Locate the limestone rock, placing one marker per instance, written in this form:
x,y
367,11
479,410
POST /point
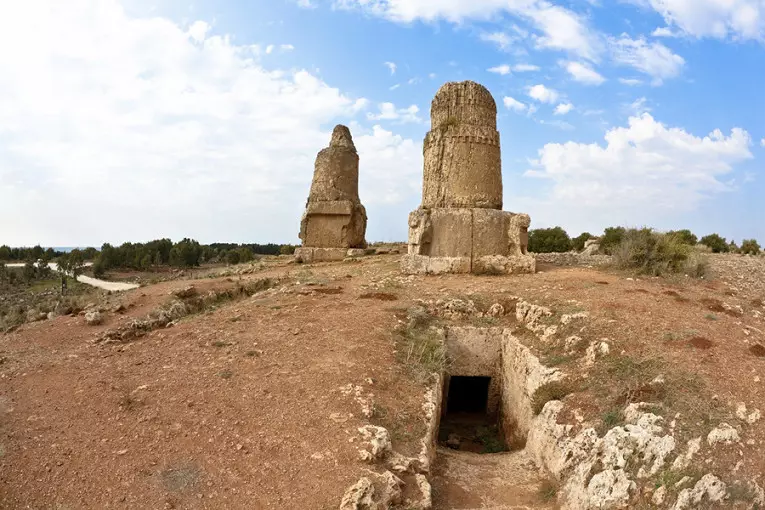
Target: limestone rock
x,y
378,441
609,489
724,433
376,492
744,415
531,316
591,247
659,496
93,318
684,460
709,487
185,292
592,468
496,310
568,318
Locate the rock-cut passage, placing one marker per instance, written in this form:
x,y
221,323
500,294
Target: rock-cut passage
x,y
486,406
468,423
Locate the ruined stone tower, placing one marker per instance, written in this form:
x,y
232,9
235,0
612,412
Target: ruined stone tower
x,y
334,222
460,226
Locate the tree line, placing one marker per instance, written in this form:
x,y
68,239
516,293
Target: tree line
x,y
143,256
556,239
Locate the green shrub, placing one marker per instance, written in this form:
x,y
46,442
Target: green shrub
x,y
577,243
612,237
548,240
656,254
99,269
716,243
750,247
684,236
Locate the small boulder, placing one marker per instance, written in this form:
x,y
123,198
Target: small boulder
x,y
185,292
93,318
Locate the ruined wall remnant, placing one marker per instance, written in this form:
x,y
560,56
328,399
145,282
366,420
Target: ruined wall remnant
x,y
460,226
334,221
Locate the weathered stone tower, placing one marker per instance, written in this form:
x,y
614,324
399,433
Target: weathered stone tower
x,y
460,226
334,222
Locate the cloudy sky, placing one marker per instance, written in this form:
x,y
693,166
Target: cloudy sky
x,y
141,119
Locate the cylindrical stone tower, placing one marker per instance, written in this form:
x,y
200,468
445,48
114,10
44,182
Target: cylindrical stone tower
x,y
462,162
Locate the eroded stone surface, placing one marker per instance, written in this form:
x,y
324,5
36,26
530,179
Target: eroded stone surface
x,y
334,217
709,488
460,227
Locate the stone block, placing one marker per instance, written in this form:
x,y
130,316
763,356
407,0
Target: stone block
x,y
490,232
451,233
311,255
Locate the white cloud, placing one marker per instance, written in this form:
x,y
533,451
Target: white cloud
x,y
388,111
559,124
632,82
394,87
741,19
269,49
643,172
638,106
501,39
170,131
432,76
198,30
762,142
563,108
542,94
385,156
305,4
583,73
563,30
286,47
503,69
651,58
391,66
559,28
513,104
663,32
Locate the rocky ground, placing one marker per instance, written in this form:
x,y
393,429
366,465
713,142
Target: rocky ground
x,y
261,400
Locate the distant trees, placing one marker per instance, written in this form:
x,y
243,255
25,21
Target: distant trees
x,y
547,240
716,243
72,263
750,247
612,237
185,253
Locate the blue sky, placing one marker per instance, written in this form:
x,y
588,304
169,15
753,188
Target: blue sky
x,y
137,120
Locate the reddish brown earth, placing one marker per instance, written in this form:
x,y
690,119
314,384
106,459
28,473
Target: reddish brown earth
x,y
239,407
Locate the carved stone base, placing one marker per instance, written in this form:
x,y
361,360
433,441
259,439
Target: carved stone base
x,y
461,240
310,255
493,264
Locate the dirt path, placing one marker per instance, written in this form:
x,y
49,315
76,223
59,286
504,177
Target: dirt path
x,y
498,481
89,280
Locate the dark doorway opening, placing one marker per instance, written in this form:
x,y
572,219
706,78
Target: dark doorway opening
x,y
467,423
468,394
